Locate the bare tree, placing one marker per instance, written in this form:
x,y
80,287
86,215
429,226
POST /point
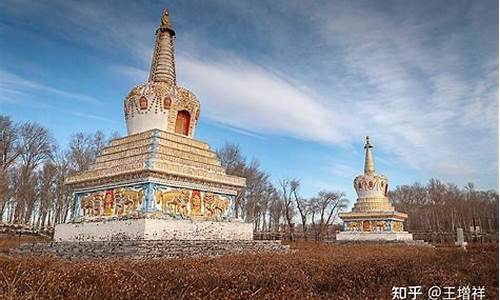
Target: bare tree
x,y
287,189
302,206
84,148
327,206
9,152
46,178
36,146
234,163
276,210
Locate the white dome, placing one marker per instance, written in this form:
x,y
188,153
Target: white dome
x,y
156,105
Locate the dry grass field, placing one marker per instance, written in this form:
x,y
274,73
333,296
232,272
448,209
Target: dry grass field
x,y
311,271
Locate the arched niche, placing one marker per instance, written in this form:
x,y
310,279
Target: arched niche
x,y
182,122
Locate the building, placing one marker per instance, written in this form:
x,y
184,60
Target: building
x,y
373,218
158,182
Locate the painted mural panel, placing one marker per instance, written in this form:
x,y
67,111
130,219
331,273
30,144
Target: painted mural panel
x,y
374,226
191,203
354,226
174,201
112,202
397,226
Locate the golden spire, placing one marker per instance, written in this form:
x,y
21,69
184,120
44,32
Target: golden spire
x,y
165,22
163,62
369,165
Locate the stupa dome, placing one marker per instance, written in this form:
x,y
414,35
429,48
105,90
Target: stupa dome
x,y
371,186
157,105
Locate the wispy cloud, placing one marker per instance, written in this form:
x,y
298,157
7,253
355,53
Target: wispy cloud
x,y
247,96
88,116
133,73
12,85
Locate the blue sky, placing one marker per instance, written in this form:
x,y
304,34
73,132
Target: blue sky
x,y
298,84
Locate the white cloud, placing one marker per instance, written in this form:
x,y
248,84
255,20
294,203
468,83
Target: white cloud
x,y
247,96
12,85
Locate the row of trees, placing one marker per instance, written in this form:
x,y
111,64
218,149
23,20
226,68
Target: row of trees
x,y
439,207
278,207
33,168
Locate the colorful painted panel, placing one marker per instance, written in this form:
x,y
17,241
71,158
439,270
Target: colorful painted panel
x,y
380,226
191,203
373,226
113,202
173,201
353,226
397,226
366,226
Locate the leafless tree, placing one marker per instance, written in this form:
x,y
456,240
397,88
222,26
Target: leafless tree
x,y
9,152
287,187
234,163
326,206
302,205
84,148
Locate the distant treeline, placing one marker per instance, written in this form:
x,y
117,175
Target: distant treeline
x,y
440,207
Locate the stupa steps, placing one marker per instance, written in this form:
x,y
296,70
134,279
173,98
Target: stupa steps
x,y
372,208
158,157
141,249
372,205
162,134
151,162
160,142
160,167
164,150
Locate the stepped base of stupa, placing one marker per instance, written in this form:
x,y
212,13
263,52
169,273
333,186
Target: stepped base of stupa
x,y
155,185
147,249
153,229
374,236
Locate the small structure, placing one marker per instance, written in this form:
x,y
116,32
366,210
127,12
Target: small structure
x,y
460,238
373,218
156,184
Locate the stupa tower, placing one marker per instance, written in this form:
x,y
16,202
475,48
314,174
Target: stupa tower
x,y
373,217
159,103
158,182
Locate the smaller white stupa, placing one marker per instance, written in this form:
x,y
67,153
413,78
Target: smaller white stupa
x,y
373,217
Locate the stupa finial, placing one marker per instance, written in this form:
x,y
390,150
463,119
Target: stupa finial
x,y
163,62
369,164
165,22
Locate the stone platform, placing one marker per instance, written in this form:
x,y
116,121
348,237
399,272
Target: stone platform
x,y
152,249
374,236
380,242
153,229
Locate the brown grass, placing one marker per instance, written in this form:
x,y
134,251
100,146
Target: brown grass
x,y
312,271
